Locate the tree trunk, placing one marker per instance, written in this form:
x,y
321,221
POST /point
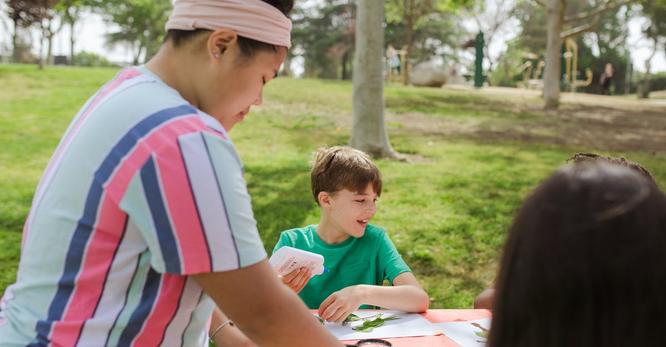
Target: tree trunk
x,y
345,58
409,38
49,47
137,56
552,74
644,90
15,52
41,45
369,132
72,41
286,69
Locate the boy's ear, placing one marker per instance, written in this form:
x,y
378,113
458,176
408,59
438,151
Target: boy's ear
x,y
324,199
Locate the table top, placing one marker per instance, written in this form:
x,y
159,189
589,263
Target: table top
x,y
437,316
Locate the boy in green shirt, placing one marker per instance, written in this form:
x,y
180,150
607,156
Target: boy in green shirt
x,y
358,255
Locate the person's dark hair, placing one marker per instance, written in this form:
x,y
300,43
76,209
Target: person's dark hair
x,y
585,263
339,167
582,157
247,46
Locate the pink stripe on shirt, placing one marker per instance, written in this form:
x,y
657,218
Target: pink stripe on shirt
x,y
164,309
89,284
194,252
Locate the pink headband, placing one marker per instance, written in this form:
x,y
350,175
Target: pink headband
x,y
253,19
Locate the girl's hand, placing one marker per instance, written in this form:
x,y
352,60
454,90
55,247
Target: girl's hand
x,y
297,279
341,304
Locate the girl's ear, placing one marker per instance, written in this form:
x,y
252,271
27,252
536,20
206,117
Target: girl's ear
x,y
324,199
220,41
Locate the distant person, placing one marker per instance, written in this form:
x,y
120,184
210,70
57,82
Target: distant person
x,y
606,78
486,298
142,224
584,263
360,256
393,61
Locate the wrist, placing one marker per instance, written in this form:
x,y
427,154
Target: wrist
x,y
219,328
362,293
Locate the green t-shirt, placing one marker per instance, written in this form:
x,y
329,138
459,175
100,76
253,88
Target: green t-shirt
x,y
369,259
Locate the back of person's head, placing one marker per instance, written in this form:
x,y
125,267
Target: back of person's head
x,y
247,46
340,167
596,158
585,263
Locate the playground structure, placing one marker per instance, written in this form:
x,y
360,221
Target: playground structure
x,y
571,69
532,77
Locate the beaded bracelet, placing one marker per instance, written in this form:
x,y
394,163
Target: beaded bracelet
x,y
220,327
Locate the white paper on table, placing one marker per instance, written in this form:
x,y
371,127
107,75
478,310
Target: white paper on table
x,y
407,324
466,334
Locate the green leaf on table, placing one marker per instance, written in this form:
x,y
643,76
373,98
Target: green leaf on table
x,y
351,318
369,323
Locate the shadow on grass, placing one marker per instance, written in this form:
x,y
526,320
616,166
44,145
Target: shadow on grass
x,y
281,198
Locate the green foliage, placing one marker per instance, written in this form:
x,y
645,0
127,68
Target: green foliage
x,y
441,30
141,23
92,59
325,34
655,11
608,35
508,71
425,25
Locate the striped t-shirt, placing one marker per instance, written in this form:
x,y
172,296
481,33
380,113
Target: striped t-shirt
x,y
142,191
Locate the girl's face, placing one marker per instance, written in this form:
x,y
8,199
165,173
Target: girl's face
x,y
236,82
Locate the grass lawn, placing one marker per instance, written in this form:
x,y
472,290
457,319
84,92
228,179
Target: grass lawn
x,y
474,157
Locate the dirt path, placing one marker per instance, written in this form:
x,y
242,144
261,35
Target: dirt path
x,y
586,121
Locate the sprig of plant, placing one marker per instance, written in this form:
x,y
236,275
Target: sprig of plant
x,y
483,333
370,323
351,318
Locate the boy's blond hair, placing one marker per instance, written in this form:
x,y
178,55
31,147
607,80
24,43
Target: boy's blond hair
x,y
341,167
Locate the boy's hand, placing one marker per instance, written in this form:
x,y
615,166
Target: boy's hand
x,y
297,279
341,304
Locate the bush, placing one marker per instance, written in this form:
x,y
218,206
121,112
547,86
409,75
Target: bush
x,y
92,59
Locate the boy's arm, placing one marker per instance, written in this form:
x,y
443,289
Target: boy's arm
x,y
263,308
406,294
485,300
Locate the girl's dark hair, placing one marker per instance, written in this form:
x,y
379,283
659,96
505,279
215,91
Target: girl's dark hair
x,y
585,263
247,46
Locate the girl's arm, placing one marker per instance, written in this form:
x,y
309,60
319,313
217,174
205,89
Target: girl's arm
x,y
406,294
226,334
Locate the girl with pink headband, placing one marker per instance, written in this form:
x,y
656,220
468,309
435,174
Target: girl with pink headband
x,y
141,225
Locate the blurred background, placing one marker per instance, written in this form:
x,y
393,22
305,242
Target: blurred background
x,y
423,36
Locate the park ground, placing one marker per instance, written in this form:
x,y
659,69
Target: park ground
x,y
473,157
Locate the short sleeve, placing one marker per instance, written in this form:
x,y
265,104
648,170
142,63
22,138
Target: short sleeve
x,y
191,205
391,263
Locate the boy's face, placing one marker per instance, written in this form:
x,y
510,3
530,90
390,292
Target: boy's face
x,y
352,211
